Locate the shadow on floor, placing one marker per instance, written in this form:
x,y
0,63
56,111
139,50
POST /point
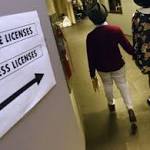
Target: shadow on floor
x,y
105,131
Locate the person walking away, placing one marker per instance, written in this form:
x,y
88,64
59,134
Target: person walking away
x,y
141,37
104,57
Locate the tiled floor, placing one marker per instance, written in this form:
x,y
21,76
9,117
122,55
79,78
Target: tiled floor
x,y
104,131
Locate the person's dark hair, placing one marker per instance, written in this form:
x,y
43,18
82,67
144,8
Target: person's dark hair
x,y
143,3
97,14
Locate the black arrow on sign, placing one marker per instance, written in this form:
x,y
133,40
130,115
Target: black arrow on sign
x,y
37,80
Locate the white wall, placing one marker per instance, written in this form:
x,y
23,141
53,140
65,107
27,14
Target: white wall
x,y
124,19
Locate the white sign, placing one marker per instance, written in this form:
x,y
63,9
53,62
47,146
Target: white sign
x,y
26,74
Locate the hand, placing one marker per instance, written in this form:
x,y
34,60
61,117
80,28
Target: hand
x,y
95,83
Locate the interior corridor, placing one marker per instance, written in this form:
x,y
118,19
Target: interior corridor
x,y
103,130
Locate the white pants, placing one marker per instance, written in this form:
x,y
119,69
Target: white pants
x,y
120,80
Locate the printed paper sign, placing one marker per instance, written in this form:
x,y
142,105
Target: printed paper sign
x,y
26,73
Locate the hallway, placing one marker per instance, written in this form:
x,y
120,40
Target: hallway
x,y
106,131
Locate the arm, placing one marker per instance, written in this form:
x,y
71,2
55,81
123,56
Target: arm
x,y
90,56
123,41
91,62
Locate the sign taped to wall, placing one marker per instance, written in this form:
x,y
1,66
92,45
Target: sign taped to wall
x,y
26,73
